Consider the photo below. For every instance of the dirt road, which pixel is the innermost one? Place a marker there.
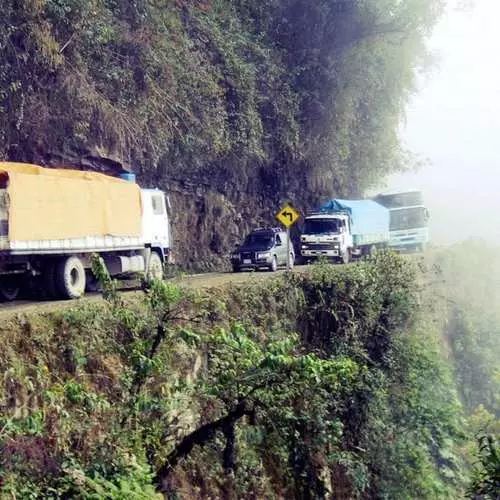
(200, 281)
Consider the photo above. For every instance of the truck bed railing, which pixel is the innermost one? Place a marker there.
(327, 212)
(267, 229)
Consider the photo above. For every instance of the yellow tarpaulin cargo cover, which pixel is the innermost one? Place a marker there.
(55, 204)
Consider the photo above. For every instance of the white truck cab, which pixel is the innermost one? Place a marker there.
(342, 229)
(326, 235)
(156, 228)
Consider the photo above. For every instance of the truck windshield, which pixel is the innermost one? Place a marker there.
(261, 240)
(321, 226)
(408, 218)
(397, 200)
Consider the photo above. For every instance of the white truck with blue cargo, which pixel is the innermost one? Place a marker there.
(52, 221)
(409, 220)
(342, 230)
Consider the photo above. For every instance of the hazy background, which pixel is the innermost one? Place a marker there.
(455, 123)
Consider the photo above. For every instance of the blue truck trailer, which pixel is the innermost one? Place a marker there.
(345, 229)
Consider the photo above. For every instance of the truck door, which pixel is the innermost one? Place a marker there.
(156, 226)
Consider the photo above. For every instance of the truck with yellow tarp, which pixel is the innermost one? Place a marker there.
(53, 220)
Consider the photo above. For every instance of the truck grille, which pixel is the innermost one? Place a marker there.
(247, 255)
(321, 246)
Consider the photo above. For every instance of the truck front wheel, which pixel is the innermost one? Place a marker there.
(155, 270)
(70, 277)
(344, 259)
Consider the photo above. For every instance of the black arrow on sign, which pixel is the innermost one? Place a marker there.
(287, 214)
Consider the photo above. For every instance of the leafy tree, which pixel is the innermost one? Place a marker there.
(485, 482)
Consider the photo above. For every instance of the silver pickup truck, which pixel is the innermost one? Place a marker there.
(263, 248)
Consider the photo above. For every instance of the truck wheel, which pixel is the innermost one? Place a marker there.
(155, 270)
(345, 257)
(274, 265)
(236, 268)
(9, 288)
(70, 277)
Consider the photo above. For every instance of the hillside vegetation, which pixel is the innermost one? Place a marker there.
(338, 382)
(232, 105)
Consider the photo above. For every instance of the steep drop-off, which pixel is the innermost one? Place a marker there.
(232, 106)
(331, 384)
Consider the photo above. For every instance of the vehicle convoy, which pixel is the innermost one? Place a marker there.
(263, 248)
(409, 220)
(345, 229)
(53, 220)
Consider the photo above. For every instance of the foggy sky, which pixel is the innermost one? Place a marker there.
(454, 122)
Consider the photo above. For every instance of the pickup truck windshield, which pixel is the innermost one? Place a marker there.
(321, 226)
(261, 240)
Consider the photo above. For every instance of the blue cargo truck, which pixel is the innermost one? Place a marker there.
(345, 229)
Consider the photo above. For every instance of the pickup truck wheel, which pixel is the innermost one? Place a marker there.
(274, 265)
(9, 288)
(70, 277)
(155, 270)
(236, 268)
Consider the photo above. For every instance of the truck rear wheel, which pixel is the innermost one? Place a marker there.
(9, 288)
(70, 277)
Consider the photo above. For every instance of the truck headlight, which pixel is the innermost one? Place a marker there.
(264, 255)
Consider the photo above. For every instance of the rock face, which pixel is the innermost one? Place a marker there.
(232, 107)
(212, 213)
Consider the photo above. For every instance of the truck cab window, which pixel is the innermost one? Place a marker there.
(157, 205)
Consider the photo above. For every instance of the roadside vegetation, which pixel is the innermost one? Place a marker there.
(337, 381)
(232, 94)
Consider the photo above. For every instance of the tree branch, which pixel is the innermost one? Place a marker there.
(200, 436)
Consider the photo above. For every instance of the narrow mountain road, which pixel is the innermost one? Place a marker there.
(197, 281)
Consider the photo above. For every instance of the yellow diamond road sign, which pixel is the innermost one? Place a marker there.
(288, 216)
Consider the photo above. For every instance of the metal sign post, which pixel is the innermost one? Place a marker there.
(288, 249)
